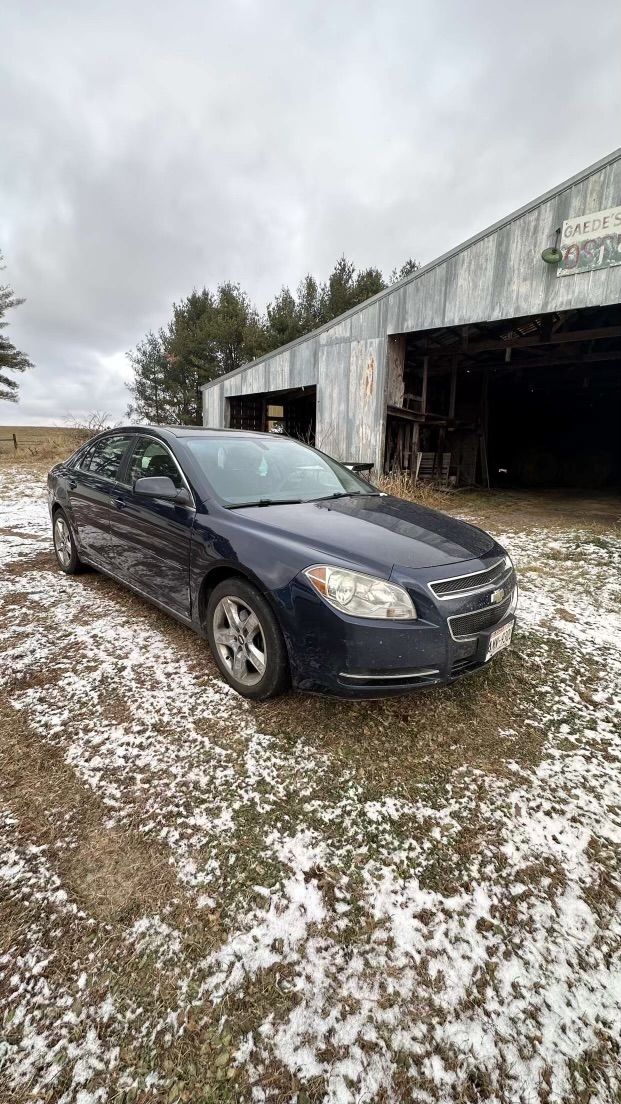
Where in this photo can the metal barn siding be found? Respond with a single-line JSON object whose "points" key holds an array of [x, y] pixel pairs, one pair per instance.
{"points": [[496, 275]]}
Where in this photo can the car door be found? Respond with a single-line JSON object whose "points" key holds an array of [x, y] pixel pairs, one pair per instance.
{"points": [[89, 486], [150, 537]]}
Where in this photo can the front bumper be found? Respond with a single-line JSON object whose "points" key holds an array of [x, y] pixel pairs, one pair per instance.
{"points": [[350, 657]]}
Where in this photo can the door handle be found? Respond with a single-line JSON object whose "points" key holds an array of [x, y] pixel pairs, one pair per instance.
{"points": [[119, 502], [72, 484]]}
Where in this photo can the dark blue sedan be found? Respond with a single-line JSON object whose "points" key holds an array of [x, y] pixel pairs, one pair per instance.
{"points": [[296, 570]]}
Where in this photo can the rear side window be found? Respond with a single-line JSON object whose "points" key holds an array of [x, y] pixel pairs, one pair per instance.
{"points": [[152, 458], [83, 459], [104, 458]]}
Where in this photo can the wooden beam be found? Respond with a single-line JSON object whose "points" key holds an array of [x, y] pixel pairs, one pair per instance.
{"points": [[549, 362], [416, 416], [407, 415], [563, 338]]}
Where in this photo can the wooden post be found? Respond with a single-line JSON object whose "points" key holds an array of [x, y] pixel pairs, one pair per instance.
{"points": [[423, 397], [415, 433], [453, 394], [484, 427], [15, 442]]}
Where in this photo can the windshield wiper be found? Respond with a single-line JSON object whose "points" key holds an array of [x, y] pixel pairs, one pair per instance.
{"points": [[266, 502], [297, 501], [347, 494]]}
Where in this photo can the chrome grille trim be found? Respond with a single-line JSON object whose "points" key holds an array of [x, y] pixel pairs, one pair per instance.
{"points": [[481, 580], [464, 626], [400, 675]]}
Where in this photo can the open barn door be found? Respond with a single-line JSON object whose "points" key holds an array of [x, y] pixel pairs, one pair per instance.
{"points": [[292, 412], [527, 402]]}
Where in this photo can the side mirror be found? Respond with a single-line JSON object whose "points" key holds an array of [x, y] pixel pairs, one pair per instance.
{"points": [[162, 486]]}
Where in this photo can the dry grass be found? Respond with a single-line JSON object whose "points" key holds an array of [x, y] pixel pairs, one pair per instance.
{"points": [[415, 739], [39, 444], [434, 495], [511, 508], [112, 873]]}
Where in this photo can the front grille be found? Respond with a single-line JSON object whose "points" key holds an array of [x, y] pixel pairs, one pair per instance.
{"points": [[468, 624], [445, 588]]}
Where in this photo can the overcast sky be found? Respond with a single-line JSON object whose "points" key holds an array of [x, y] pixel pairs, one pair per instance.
{"points": [[151, 147]]}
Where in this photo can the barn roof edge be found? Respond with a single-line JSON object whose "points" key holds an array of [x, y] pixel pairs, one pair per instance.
{"points": [[505, 221]]}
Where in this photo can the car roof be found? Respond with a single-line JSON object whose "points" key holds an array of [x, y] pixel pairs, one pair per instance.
{"points": [[168, 431], [204, 431]]}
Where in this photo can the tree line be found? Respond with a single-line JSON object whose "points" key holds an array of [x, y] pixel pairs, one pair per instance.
{"points": [[214, 332]]}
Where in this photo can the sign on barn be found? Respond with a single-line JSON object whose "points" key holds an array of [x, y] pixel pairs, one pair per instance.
{"points": [[590, 241]]}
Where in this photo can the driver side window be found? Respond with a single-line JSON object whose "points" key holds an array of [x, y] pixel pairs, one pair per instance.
{"points": [[153, 458]]}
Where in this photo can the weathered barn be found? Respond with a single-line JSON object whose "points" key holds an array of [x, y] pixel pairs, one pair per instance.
{"points": [[488, 363]]}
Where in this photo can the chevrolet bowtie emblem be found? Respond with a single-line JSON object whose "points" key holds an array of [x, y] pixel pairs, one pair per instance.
{"points": [[497, 596]]}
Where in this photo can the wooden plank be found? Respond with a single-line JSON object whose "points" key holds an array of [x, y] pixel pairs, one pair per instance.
{"points": [[395, 384]]}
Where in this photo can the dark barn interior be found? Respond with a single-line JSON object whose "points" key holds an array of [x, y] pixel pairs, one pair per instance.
{"points": [[531, 402], [293, 411]]}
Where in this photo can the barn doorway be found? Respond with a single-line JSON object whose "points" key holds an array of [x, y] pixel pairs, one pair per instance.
{"points": [[292, 412], [531, 402]]}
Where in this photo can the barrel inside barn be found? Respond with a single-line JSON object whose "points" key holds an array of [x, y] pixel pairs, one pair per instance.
{"points": [[530, 402]]}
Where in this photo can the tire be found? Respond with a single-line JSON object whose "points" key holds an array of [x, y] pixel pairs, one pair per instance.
{"points": [[64, 545], [252, 657]]}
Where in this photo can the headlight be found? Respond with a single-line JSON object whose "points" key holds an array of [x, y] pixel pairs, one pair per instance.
{"points": [[361, 595]]}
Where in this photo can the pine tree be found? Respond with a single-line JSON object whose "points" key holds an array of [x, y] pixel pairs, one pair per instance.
{"points": [[150, 389], [367, 283], [406, 269], [283, 319], [308, 304], [346, 289], [335, 296], [211, 333], [11, 359]]}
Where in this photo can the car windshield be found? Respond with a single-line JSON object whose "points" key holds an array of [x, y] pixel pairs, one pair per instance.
{"points": [[257, 471]]}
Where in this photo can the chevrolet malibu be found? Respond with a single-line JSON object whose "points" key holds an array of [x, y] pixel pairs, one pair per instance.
{"points": [[296, 570]]}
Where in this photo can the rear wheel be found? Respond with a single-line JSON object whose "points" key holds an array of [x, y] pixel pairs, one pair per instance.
{"points": [[64, 545], [246, 640]]}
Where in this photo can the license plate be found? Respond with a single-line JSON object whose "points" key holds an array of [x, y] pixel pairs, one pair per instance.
{"points": [[499, 640]]}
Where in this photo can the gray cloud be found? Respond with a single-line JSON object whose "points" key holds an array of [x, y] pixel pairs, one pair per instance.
{"points": [[150, 148]]}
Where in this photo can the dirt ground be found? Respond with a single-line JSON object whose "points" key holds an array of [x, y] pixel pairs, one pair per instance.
{"points": [[205, 900]]}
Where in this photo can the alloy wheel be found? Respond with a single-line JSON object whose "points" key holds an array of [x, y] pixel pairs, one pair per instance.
{"points": [[62, 541], [240, 641]]}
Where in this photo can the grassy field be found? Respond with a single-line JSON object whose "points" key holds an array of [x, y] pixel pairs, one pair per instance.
{"points": [[38, 443], [205, 900]]}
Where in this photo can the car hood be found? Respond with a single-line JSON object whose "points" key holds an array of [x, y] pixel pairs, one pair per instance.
{"points": [[382, 530]]}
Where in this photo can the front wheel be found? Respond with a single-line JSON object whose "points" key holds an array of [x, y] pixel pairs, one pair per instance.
{"points": [[64, 545], [246, 640]]}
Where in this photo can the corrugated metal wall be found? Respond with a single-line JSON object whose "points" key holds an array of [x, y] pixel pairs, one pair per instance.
{"points": [[345, 366], [497, 275]]}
